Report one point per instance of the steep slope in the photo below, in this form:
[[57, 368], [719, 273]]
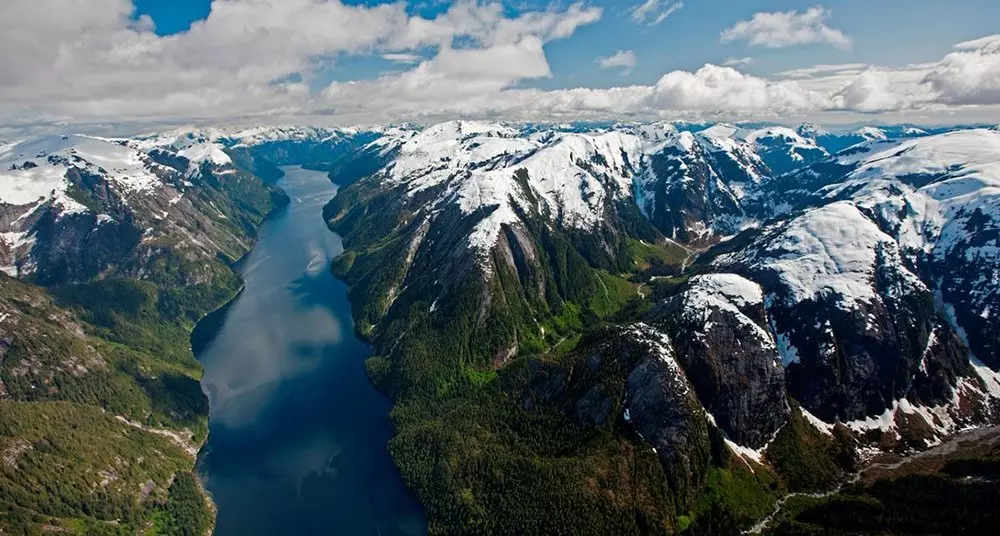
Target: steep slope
[[719, 327], [95, 432], [784, 149], [485, 261], [855, 327], [75, 207], [860, 280], [937, 198], [693, 187], [474, 221], [133, 243]]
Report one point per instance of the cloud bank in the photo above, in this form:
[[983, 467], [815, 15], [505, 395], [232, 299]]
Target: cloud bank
[[87, 63]]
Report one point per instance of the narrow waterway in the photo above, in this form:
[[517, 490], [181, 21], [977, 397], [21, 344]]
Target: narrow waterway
[[297, 441]]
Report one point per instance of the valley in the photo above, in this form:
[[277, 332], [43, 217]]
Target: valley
[[512, 328]]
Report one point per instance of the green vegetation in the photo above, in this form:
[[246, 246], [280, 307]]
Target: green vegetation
[[951, 491], [486, 377], [75, 464], [662, 259], [101, 409], [481, 462], [808, 460], [915, 504], [93, 470]]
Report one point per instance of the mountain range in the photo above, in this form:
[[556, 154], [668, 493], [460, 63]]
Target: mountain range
[[629, 328]]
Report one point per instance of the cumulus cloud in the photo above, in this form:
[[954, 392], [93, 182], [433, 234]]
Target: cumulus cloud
[[725, 89], [871, 91], [788, 28], [71, 61], [653, 12], [970, 74], [623, 59]]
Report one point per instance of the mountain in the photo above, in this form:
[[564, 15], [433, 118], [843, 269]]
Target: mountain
[[693, 186], [935, 197], [585, 328], [784, 149], [119, 247], [75, 207], [760, 313], [464, 206], [837, 141]]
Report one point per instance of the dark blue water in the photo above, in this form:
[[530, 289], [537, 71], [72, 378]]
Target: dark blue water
[[297, 441]]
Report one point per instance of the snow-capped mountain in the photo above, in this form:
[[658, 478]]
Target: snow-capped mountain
[[465, 203], [75, 206], [714, 292], [785, 149], [939, 198], [841, 291], [890, 267], [569, 179], [836, 141], [692, 185], [262, 150], [718, 327]]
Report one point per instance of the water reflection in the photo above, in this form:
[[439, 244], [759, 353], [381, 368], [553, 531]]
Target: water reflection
[[298, 435]]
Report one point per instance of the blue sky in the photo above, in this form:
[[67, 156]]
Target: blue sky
[[153, 62]]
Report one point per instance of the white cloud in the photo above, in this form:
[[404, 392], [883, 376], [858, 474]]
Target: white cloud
[[726, 89], [623, 59], [68, 64], [736, 62], [454, 76], [871, 91], [788, 28], [88, 61], [653, 12], [853, 69], [970, 74], [401, 57]]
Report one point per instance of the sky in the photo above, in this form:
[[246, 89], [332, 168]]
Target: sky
[[121, 64]]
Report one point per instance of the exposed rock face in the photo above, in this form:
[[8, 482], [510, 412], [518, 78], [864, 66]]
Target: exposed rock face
[[720, 332], [691, 187], [662, 406], [853, 323], [630, 376]]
